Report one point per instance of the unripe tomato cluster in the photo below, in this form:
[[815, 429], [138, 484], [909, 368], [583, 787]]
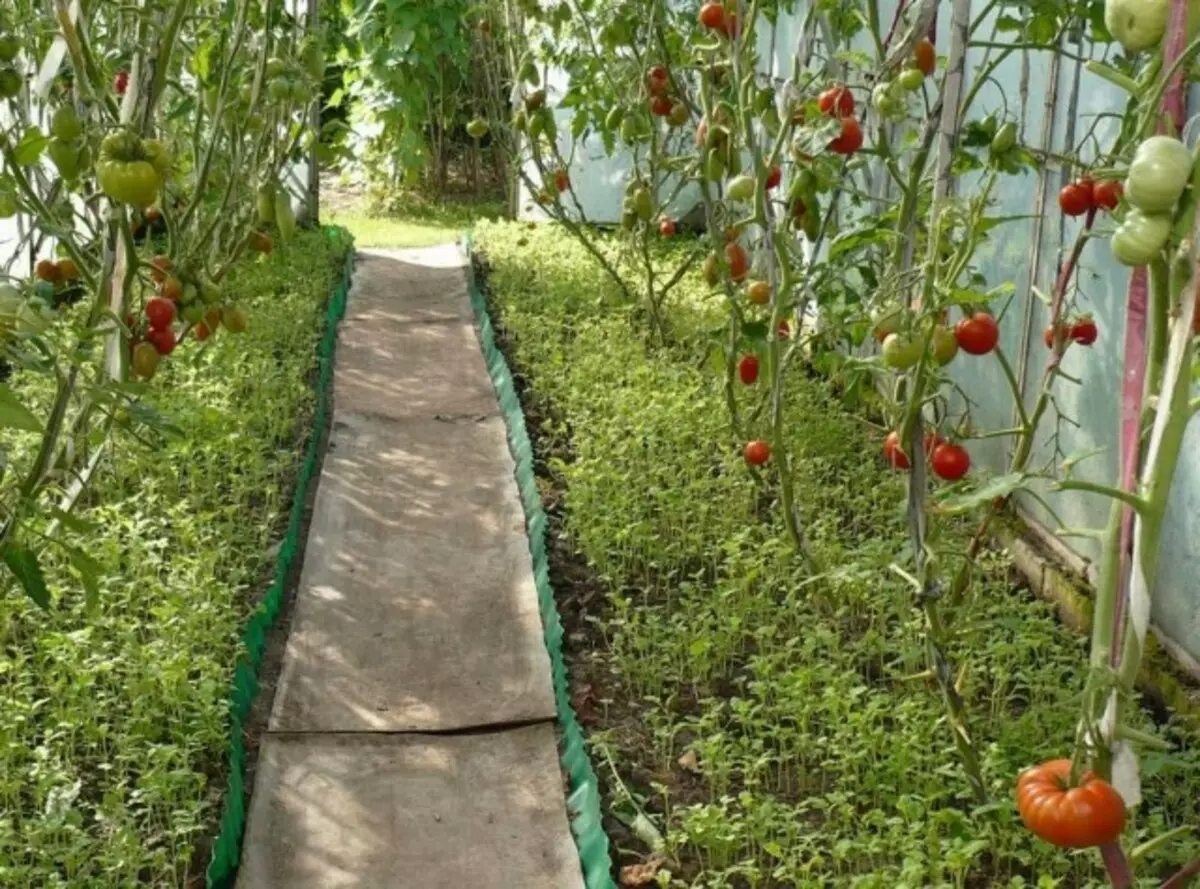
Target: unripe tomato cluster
[[1158, 175]]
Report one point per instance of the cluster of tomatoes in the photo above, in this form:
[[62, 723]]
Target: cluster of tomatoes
[[178, 298], [658, 82], [838, 101], [1082, 330], [1084, 195], [56, 272], [948, 460]]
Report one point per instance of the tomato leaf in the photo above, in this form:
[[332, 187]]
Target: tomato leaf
[[14, 415], [31, 146], [23, 563], [1001, 486]]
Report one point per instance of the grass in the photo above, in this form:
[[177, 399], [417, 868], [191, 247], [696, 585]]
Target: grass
[[416, 221], [768, 721], [114, 713]]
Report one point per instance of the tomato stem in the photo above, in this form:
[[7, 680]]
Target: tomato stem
[[1120, 874], [1182, 876]]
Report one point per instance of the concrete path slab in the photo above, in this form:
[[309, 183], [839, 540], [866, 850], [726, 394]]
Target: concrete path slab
[[402, 286], [410, 812], [417, 609], [407, 370]]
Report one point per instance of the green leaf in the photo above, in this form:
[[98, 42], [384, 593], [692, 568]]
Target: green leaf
[[89, 571], [14, 415], [24, 565], [73, 522], [31, 146], [1001, 486]]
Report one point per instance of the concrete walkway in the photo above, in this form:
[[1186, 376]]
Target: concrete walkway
[[412, 744]]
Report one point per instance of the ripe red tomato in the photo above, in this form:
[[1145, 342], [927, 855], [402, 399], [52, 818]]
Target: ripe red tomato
[[1107, 194], [978, 334], [851, 138], [666, 228], [121, 82], [160, 313], [162, 340], [658, 80], [893, 453], [67, 270], [757, 452], [1085, 331], [739, 262], [202, 331], [561, 182], [950, 462], [774, 177], [837, 101], [660, 106], [1075, 199], [785, 329], [1048, 336], [712, 16], [1090, 814], [748, 369], [925, 57]]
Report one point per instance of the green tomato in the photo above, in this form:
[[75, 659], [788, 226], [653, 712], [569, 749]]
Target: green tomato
[[678, 115], [643, 203], [210, 293], [265, 200], [888, 320], [887, 99], [9, 47], [911, 79], [276, 67], [129, 182], [478, 128], [944, 345], [279, 89], [1137, 24], [1158, 174], [1005, 138], [66, 124], [66, 158], [10, 82], [741, 188], [313, 58], [193, 314], [900, 352], [1140, 238]]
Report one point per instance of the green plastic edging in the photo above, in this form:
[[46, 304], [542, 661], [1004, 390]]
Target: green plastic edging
[[583, 802], [227, 849]]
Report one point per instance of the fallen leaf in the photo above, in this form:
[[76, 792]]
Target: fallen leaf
[[642, 874], [689, 762]]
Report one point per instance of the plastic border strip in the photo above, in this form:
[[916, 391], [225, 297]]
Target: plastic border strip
[[227, 849], [583, 801]]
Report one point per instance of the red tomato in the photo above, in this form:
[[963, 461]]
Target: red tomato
[[1085, 331], [837, 101], [950, 462], [893, 453], [748, 369], [1091, 814], [712, 16], [159, 266], [658, 80], [47, 270], [1107, 194], [978, 334], [666, 228], [757, 452], [785, 329], [162, 340], [1075, 199], [172, 289], [121, 82], [932, 440], [851, 138], [660, 106], [1048, 336], [202, 331], [160, 313], [774, 177], [739, 263], [561, 182], [925, 57]]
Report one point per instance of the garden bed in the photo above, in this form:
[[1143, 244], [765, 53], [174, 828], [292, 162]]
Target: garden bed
[[776, 727], [115, 712]]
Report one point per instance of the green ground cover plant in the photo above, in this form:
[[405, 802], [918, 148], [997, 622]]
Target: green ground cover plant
[[114, 716], [774, 724]]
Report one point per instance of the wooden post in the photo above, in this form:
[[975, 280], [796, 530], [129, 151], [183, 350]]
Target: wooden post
[[314, 121]]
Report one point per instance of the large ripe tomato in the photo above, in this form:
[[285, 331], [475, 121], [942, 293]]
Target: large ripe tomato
[[950, 462], [851, 138], [837, 101], [1090, 814], [1075, 199], [925, 57], [160, 313], [1107, 193], [978, 334], [712, 16], [756, 452], [893, 453], [748, 369], [739, 262]]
